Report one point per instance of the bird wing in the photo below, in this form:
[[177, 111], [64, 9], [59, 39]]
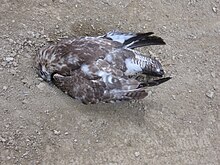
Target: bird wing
[[93, 91], [134, 40]]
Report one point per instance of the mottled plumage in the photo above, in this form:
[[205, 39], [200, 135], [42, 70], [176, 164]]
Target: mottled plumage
[[101, 69]]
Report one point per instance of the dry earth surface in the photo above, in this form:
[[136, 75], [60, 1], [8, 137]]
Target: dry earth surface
[[178, 123]]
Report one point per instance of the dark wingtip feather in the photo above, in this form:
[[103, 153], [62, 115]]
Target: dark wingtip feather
[[158, 81], [157, 40], [143, 39], [154, 82]]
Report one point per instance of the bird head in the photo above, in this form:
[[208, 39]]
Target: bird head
[[154, 69], [43, 71]]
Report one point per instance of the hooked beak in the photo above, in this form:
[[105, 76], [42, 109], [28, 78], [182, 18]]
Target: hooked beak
[[45, 75]]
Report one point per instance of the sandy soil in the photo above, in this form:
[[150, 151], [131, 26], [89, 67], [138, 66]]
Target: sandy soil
[[177, 124]]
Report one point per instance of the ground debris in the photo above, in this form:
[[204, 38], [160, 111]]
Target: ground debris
[[41, 86], [210, 94]]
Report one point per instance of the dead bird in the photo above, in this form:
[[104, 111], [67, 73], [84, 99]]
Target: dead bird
[[102, 68]]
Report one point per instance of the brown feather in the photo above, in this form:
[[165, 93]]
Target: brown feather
[[96, 69]]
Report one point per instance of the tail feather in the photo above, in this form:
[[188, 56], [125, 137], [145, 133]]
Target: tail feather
[[150, 83], [132, 40]]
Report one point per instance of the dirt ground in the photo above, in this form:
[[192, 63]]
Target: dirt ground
[[178, 123]]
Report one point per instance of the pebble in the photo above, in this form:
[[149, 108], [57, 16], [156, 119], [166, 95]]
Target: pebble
[[56, 132], [9, 59], [210, 94], [174, 97], [214, 9], [150, 93], [2, 139], [41, 86], [24, 102], [137, 154], [5, 88]]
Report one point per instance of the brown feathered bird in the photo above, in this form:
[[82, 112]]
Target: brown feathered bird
[[102, 69]]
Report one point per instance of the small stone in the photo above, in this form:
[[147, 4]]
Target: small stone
[[150, 93], [66, 133], [215, 9], [137, 154], [24, 102], [210, 94], [41, 86], [56, 132], [47, 112], [2, 139], [9, 59], [5, 88], [174, 97]]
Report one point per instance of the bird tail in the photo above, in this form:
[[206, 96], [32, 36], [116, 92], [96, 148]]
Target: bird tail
[[134, 40]]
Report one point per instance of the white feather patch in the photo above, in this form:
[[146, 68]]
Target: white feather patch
[[109, 58], [119, 37], [85, 69], [132, 67]]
